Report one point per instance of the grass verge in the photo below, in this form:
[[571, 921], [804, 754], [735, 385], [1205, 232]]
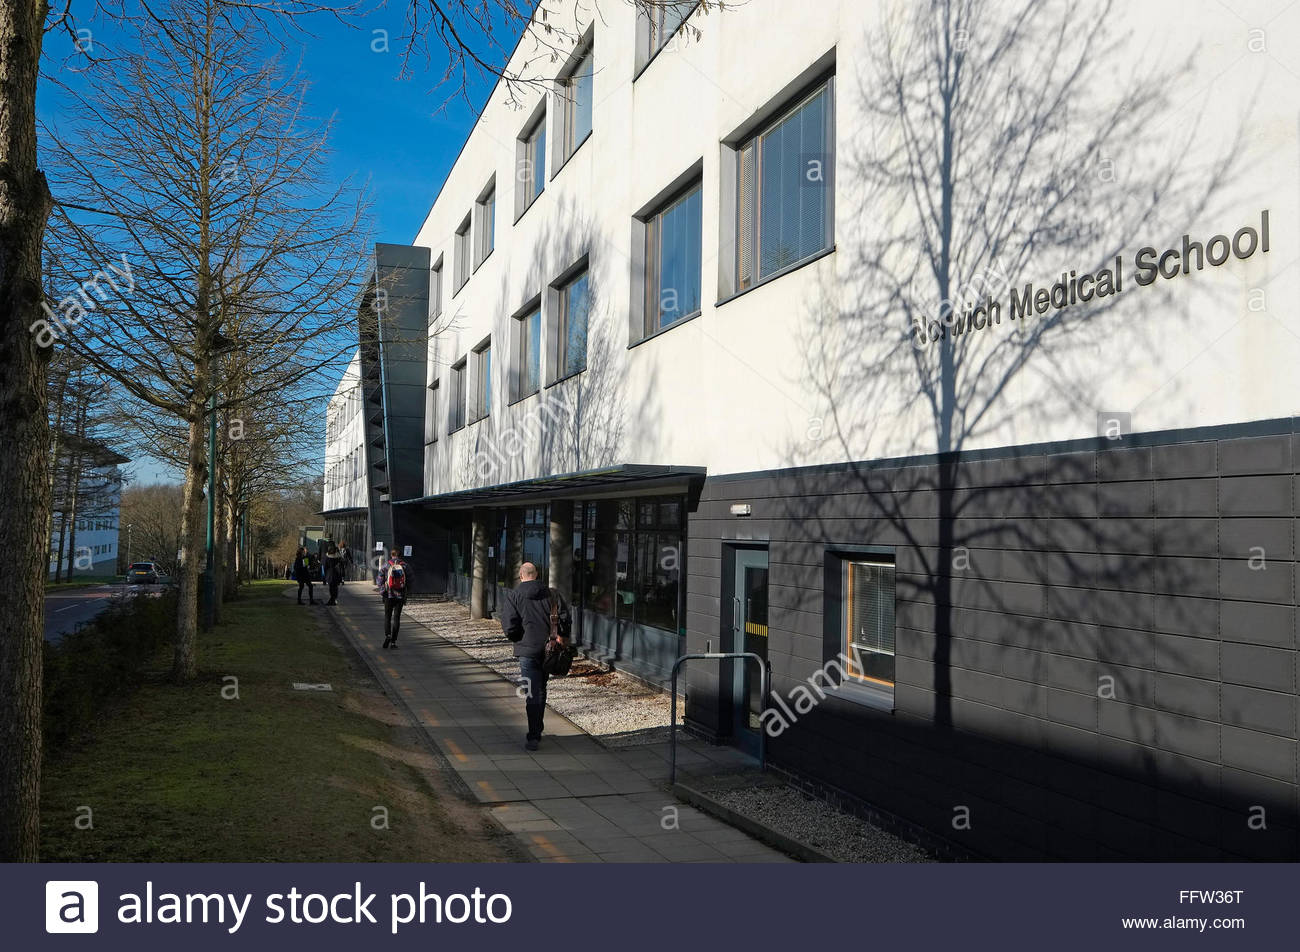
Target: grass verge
[[238, 766]]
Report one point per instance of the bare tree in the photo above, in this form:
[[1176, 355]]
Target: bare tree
[[478, 38], [226, 257], [25, 205], [155, 535]]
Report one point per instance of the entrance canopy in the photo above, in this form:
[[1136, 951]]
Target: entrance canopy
[[625, 478]]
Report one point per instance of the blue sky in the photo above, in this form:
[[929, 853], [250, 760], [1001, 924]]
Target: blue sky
[[396, 136]]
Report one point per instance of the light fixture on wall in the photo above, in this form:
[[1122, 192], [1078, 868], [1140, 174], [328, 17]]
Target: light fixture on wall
[[741, 509]]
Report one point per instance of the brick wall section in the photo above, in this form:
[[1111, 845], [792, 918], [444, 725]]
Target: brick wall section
[[1119, 682]]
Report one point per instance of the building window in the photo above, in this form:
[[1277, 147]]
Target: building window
[[631, 554], [784, 192], [483, 380], [574, 309], [435, 291], [486, 211], [673, 261], [458, 395], [664, 21], [528, 368], [431, 415], [531, 173], [608, 557], [868, 638], [657, 563], [859, 623], [576, 89], [463, 268]]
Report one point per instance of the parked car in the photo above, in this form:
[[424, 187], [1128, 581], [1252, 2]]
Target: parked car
[[146, 573]]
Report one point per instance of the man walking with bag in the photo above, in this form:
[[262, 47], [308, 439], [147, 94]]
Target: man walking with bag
[[534, 616], [394, 585]]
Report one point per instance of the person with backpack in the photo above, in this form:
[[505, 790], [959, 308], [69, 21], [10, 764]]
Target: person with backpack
[[394, 586], [333, 567], [302, 573], [534, 616]]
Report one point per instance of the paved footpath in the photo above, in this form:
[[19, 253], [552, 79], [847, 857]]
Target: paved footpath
[[574, 800]]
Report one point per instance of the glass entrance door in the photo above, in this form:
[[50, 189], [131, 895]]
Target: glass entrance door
[[749, 633]]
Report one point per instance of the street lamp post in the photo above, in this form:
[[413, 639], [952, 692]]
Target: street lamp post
[[128, 546]]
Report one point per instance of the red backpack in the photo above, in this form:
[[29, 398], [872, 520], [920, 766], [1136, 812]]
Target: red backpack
[[396, 583]]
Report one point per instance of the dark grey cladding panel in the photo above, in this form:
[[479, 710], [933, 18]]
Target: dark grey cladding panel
[[1193, 657], [1187, 577], [1071, 708], [1133, 500], [1260, 753], [1124, 464], [1255, 623], [1257, 582], [401, 256], [1273, 712], [1187, 497], [1257, 454], [1194, 697], [1242, 789], [1256, 496], [1271, 539], [1195, 537], [1253, 666], [1184, 460], [1185, 615], [1133, 536], [1126, 646], [1096, 606]]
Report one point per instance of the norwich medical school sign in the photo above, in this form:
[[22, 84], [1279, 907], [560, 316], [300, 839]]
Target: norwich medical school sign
[[1149, 264]]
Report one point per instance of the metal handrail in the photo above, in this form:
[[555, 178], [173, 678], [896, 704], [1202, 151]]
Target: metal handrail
[[765, 677]]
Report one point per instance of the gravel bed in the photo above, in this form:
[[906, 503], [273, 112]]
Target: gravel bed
[[841, 836], [614, 708]]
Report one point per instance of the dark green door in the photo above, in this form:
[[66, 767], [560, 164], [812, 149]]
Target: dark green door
[[749, 633]]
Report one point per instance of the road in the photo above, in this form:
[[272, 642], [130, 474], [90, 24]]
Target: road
[[66, 609]]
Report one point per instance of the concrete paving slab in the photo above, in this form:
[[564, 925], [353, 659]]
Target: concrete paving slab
[[573, 800]]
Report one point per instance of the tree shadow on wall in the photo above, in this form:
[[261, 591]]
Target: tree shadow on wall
[[998, 147]]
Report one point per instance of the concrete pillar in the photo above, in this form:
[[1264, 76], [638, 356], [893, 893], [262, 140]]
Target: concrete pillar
[[478, 563], [560, 574], [514, 553]]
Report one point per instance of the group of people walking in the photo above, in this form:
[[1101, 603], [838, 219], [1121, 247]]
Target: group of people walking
[[535, 617], [393, 581], [332, 569]]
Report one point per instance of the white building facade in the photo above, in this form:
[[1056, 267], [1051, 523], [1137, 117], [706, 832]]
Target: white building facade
[[345, 508], [84, 540], [867, 342]]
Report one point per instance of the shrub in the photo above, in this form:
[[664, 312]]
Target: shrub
[[101, 660]]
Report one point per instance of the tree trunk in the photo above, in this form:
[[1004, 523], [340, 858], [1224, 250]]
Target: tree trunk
[[193, 527], [63, 524], [231, 576], [74, 484], [56, 448], [24, 465]]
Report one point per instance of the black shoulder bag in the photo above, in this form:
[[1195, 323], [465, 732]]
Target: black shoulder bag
[[558, 658]]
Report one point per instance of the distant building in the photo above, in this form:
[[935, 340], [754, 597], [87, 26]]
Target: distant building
[[345, 509], [84, 523]]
